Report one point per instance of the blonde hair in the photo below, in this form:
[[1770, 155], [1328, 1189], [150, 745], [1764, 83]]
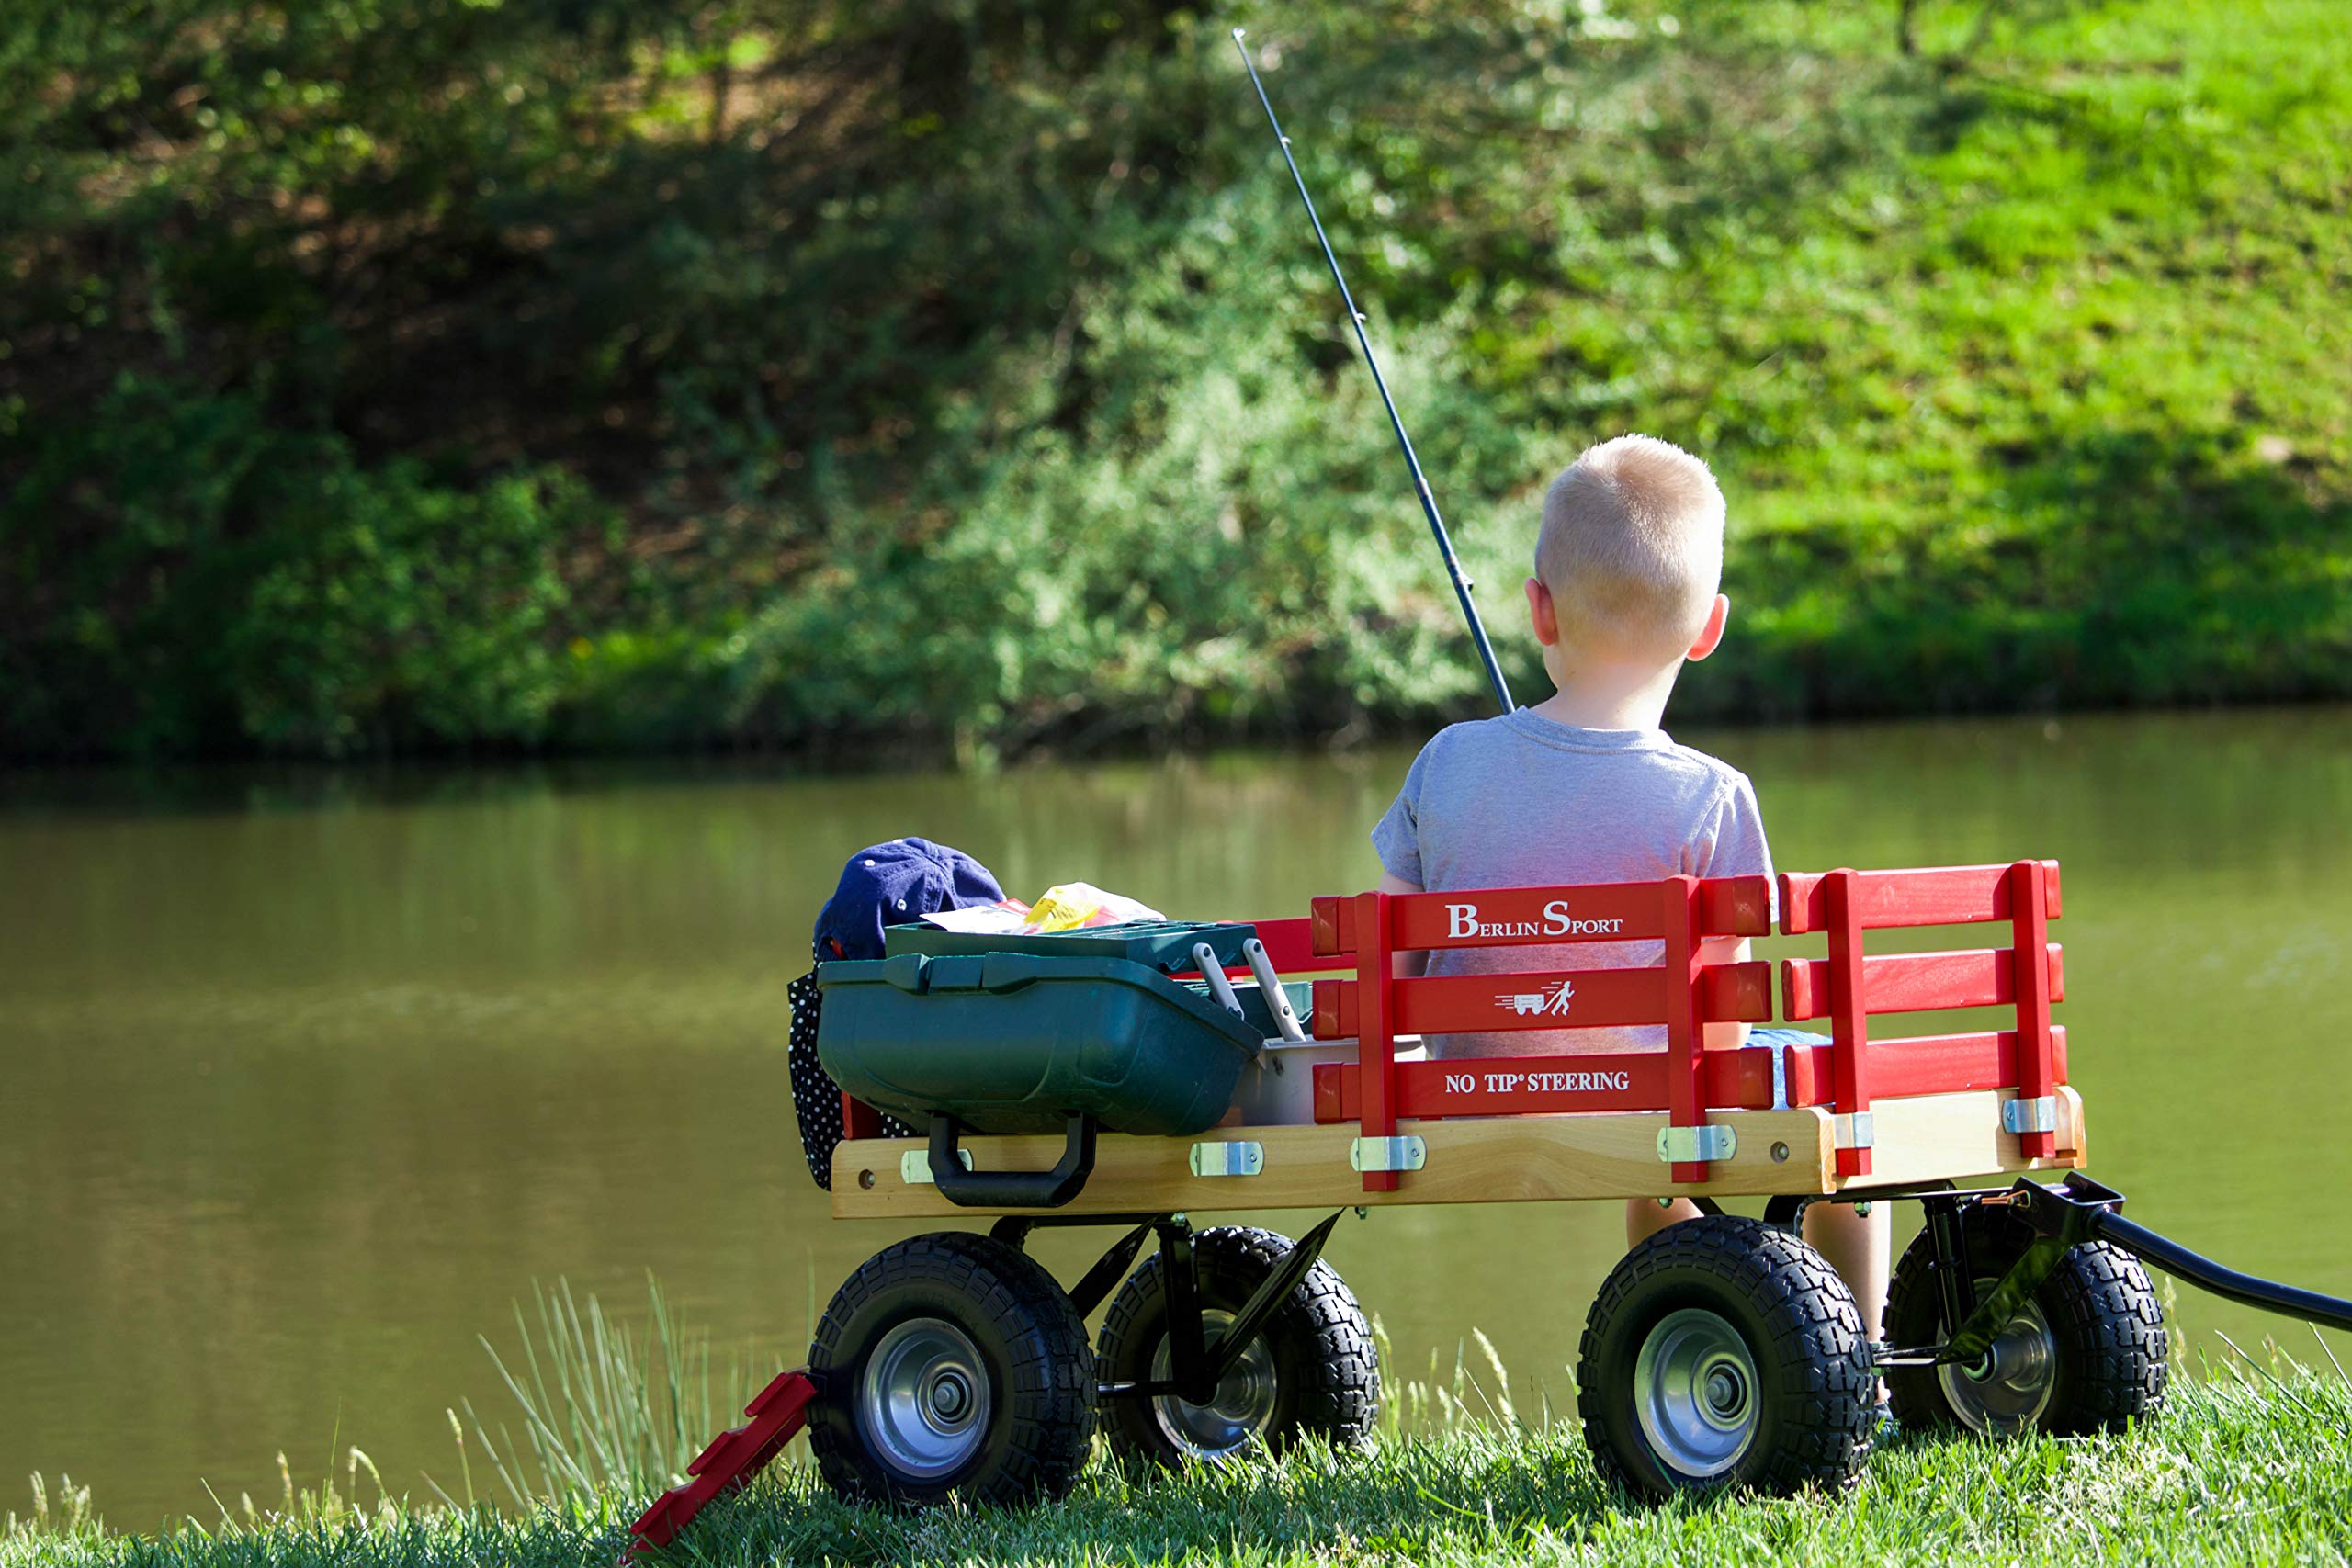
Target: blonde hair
[[1631, 546]]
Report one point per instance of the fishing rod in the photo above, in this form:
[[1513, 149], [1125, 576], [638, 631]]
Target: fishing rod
[[1355, 318]]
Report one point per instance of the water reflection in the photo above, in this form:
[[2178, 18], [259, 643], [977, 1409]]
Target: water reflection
[[311, 1073]]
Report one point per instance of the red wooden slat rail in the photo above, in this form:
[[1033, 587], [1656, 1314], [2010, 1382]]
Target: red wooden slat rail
[[1289, 944], [1737, 1080], [859, 1120], [1376, 1042], [1678, 911], [1944, 895], [1686, 1100], [1552, 998], [1521, 916], [1915, 982], [1683, 996], [1942, 1064], [1290, 948], [1849, 1063], [1501, 1086], [1847, 987], [2033, 899]]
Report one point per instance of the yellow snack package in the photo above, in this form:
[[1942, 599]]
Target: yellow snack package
[[1067, 905]]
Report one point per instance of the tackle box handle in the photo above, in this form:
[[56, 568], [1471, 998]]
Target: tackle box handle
[[1010, 1189]]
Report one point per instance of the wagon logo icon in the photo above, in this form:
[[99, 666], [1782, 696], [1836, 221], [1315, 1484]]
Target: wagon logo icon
[[1539, 1004]]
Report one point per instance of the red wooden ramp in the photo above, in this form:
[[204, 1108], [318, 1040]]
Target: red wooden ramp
[[734, 1456]]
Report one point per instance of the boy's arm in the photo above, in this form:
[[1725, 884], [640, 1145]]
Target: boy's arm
[[1404, 965], [1723, 950]]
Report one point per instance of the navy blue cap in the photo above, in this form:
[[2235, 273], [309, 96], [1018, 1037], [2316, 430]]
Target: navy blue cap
[[893, 884]]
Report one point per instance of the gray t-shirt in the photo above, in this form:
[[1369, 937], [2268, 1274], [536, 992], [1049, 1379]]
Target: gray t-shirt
[[1520, 801]]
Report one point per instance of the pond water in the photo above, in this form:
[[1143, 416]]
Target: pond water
[[309, 1076]]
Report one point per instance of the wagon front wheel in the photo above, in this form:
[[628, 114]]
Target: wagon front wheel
[[1311, 1370], [1723, 1353], [2086, 1352], [951, 1364]]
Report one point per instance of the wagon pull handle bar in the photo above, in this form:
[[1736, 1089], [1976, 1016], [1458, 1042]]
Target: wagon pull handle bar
[[2081, 1206], [1462, 584]]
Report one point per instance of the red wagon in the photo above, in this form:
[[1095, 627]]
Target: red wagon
[[1722, 1351]]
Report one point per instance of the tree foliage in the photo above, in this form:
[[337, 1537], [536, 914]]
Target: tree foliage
[[398, 373]]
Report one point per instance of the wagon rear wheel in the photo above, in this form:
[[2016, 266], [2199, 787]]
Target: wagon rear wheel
[[1723, 1353], [2085, 1353], [951, 1364], [1311, 1370]]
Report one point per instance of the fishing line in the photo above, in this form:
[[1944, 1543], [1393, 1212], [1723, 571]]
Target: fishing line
[[1462, 584]]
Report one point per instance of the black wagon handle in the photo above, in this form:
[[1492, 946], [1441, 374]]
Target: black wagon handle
[[1010, 1189]]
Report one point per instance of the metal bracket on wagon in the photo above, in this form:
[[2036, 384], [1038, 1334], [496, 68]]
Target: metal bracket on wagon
[[1239, 1159], [1711, 1141], [914, 1165], [1858, 1131], [2036, 1115], [1406, 1153]]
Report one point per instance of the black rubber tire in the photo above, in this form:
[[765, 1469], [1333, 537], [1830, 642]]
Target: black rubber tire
[[2107, 1327], [1814, 1398], [1326, 1368], [1031, 1342]]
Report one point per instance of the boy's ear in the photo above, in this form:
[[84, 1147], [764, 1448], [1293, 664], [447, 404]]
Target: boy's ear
[[1713, 632], [1542, 612]]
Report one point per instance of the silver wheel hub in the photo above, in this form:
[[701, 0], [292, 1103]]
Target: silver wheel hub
[[923, 1402], [1235, 1415], [1696, 1393], [2009, 1390]]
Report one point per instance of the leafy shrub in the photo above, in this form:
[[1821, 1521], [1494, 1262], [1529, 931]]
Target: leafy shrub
[[392, 373], [183, 571]]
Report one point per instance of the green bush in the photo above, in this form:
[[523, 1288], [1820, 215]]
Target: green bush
[[425, 373], [191, 576], [422, 612]]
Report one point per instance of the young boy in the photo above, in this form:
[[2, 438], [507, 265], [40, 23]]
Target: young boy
[[1586, 787]]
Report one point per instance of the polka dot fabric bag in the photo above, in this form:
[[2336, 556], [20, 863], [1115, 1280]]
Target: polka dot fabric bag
[[883, 884], [816, 1098]]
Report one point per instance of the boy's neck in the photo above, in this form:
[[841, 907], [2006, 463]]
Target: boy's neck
[[1604, 695]]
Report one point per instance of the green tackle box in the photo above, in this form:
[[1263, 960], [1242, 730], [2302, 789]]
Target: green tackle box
[[1164, 945], [1019, 1041]]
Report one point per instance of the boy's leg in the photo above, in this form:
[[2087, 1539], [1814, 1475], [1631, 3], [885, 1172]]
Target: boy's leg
[[1644, 1218], [1859, 1247]]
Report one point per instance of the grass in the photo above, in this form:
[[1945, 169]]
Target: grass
[[2252, 1462], [2236, 1471]]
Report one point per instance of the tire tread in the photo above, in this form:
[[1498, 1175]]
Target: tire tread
[[1339, 1397], [1051, 1369], [1824, 1415], [2114, 1356]]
